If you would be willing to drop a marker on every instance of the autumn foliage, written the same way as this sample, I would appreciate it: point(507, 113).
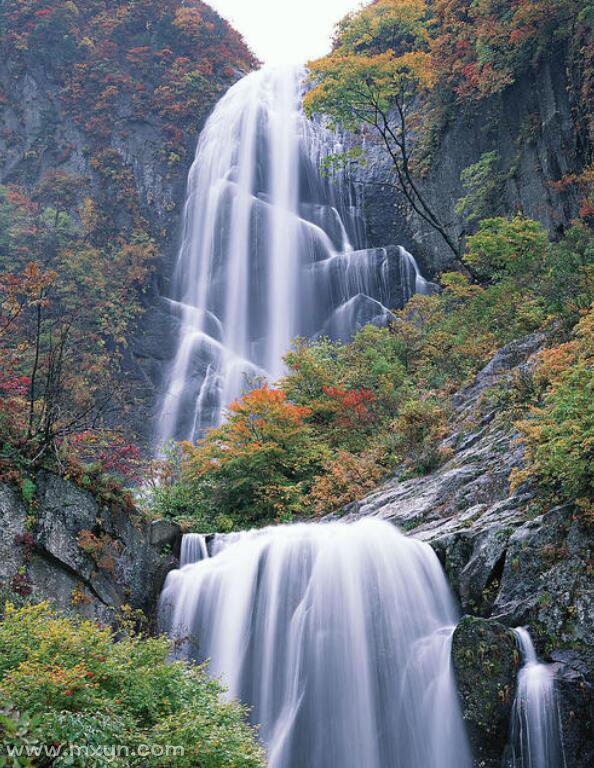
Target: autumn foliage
point(158, 56)
point(67, 681)
point(77, 247)
point(259, 464)
point(67, 301)
point(558, 431)
point(400, 69)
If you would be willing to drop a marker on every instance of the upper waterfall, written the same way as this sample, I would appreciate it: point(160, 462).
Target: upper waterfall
point(271, 249)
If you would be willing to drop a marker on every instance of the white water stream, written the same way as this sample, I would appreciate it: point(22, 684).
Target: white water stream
point(536, 737)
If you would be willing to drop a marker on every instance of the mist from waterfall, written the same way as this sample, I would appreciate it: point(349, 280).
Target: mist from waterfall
point(536, 739)
point(338, 636)
point(271, 250)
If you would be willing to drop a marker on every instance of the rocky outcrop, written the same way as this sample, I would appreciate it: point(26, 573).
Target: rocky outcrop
point(63, 545)
point(507, 561)
point(530, 126)
point(576, 707)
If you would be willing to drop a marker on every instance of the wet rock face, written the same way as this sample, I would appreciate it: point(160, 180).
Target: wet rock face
point(575, 698)
point(67, 548)
point(486, 663)
point(546, 580)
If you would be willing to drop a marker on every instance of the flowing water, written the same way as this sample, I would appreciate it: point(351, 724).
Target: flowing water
point(193, 549)
point(337, 635)
point(536, 736)
point(271, 249)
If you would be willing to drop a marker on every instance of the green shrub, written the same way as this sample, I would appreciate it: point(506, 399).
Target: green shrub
point(69, 682)
point(559, 434)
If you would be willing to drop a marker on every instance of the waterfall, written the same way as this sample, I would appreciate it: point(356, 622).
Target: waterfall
point(536, 738)
point(338, 636)
point(193, 549)
point(271, 249)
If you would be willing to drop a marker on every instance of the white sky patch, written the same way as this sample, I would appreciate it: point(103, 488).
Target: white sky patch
point(285, 31)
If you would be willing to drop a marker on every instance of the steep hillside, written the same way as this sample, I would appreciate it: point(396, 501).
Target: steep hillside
point(100, 107)
point(530, 131)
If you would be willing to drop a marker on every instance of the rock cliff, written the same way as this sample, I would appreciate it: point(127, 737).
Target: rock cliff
point(532, 128)
point(64, 545)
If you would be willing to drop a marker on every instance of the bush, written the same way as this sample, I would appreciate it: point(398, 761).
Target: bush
point(417, 431)
point(504, 247)
point(559, 434)
point(345, 477)
point(258, 466)
point(65, 681)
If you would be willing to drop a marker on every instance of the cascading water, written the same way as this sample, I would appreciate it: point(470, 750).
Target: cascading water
point(193, 549)
point(536, 738)
point(338, 636)
point(271, 250)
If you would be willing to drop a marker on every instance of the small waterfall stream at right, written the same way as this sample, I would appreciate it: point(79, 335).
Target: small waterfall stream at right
point(536, 740)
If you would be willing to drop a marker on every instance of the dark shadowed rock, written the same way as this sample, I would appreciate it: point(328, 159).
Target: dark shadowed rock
point(486, 662)
point(575, 696)
point(547, 581)
point(531, 127)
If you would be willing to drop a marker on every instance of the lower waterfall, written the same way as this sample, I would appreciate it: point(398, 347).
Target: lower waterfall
point(337, 636)
point(536, 737)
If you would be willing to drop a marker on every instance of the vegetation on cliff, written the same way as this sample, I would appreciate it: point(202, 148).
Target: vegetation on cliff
point(164, 57)
point(77, 248)
point(399, 69)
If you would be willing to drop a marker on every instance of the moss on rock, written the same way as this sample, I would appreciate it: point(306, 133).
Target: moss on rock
point(486, 662)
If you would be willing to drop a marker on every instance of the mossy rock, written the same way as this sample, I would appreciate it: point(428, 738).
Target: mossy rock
point(486, 662)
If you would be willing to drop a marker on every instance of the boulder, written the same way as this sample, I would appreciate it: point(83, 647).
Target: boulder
point(83, 555)
point(486, 662)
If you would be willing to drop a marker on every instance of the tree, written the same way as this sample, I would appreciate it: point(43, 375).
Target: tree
point(65, 307)
point(379, 69)
point(258, 465)
point(65, 681)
